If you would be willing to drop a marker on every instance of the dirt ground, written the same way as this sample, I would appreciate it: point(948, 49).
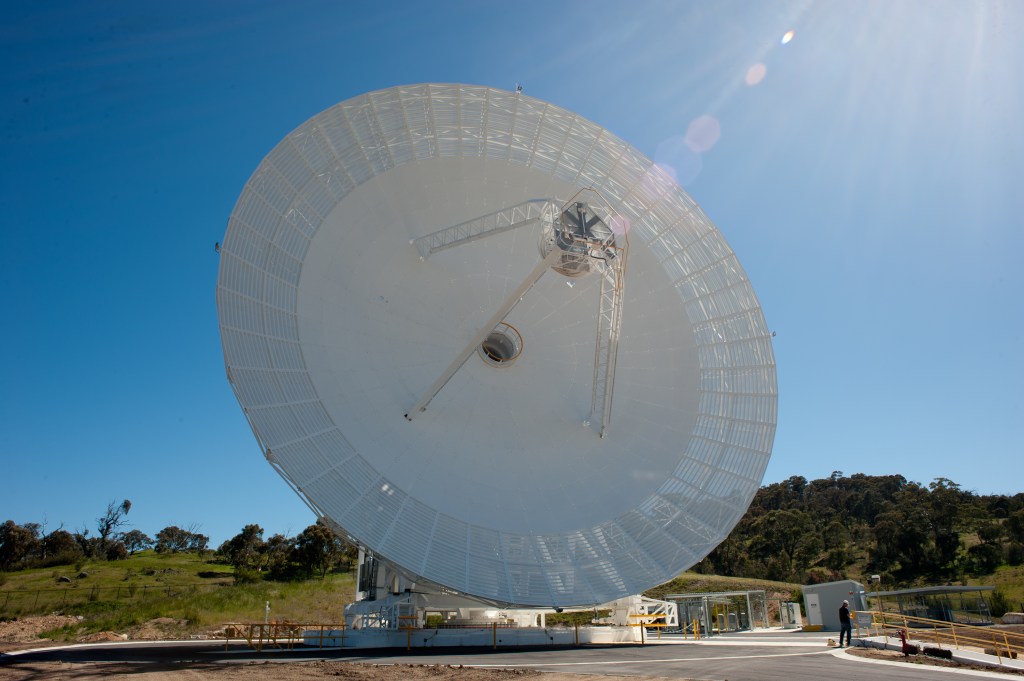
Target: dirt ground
point(54, 671)
point(15, 634)
point(267, 671)
point(24, 632)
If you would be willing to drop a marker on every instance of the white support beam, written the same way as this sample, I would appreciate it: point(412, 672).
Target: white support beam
point(520, 215)
point(473, 344)
point(606, 349)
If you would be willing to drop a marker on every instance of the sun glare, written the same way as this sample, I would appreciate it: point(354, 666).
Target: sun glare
point(703, 133)
point(755, 74)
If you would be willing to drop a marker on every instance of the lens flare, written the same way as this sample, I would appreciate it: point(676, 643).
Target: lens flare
point(787, 36)
point(619, 224)
point(681, 162)
point(703, 133)
point(755, 74)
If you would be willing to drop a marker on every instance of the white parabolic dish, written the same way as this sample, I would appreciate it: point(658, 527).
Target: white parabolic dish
point(333, 326)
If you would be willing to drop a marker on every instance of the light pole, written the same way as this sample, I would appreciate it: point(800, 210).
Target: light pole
point(877, 579)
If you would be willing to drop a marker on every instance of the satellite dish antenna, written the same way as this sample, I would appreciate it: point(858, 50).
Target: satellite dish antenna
point(399, 333)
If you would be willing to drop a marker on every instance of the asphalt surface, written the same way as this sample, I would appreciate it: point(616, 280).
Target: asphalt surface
point(774, 656)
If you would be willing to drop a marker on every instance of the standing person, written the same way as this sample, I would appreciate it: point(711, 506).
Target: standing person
point(844, 623)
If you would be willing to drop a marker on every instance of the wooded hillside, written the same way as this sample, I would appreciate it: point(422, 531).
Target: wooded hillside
point(851, 527)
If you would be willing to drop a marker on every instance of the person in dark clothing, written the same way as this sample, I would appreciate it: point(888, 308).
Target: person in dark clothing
point(845, 627)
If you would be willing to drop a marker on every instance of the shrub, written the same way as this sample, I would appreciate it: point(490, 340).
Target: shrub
point(62, 558)
point(117, 551)
point(1015, 553)
point(247, 576)
point(998, 603)
point(821, 575)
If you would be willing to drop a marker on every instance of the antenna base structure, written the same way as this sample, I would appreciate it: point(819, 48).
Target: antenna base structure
point(391, 605)
point(574, 242)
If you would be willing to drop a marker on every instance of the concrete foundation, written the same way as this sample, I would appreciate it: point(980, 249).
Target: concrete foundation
point(471, 636)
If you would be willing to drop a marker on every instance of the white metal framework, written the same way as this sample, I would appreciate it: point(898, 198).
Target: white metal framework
point(573, 249)
point(335, 322)
point(526, 213)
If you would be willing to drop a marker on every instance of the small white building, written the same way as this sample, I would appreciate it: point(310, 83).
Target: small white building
point(822, 602)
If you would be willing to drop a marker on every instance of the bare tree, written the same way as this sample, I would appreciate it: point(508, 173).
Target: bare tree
point(111, 521)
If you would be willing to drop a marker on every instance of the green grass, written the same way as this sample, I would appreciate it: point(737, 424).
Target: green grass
point(690, 582)
point(145, 568)
point(1008, 579)
point(119, 595)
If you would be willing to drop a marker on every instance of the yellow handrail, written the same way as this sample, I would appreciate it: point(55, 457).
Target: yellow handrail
point(1003, 643)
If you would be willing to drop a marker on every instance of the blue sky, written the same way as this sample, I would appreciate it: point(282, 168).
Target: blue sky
point(866, 172)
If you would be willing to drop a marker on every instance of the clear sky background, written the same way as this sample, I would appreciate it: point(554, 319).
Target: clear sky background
point(869, 173)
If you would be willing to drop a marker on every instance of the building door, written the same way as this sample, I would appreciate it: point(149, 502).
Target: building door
point(813, 610)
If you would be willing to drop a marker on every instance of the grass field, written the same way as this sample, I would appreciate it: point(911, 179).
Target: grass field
point(197, 592)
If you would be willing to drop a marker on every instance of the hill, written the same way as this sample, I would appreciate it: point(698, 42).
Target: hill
point(186, 593)
point(853, 527)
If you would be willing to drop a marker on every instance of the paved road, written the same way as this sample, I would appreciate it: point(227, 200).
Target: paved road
point(741, 657)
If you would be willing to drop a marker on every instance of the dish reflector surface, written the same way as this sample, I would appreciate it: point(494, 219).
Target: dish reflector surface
point(333, 326)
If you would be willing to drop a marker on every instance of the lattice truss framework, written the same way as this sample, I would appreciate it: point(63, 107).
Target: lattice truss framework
point(270, 230)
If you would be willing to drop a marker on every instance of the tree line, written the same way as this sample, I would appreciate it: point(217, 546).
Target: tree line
point(796, 531)
point(313, 552)
point(849, 527)
point(31, 546)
